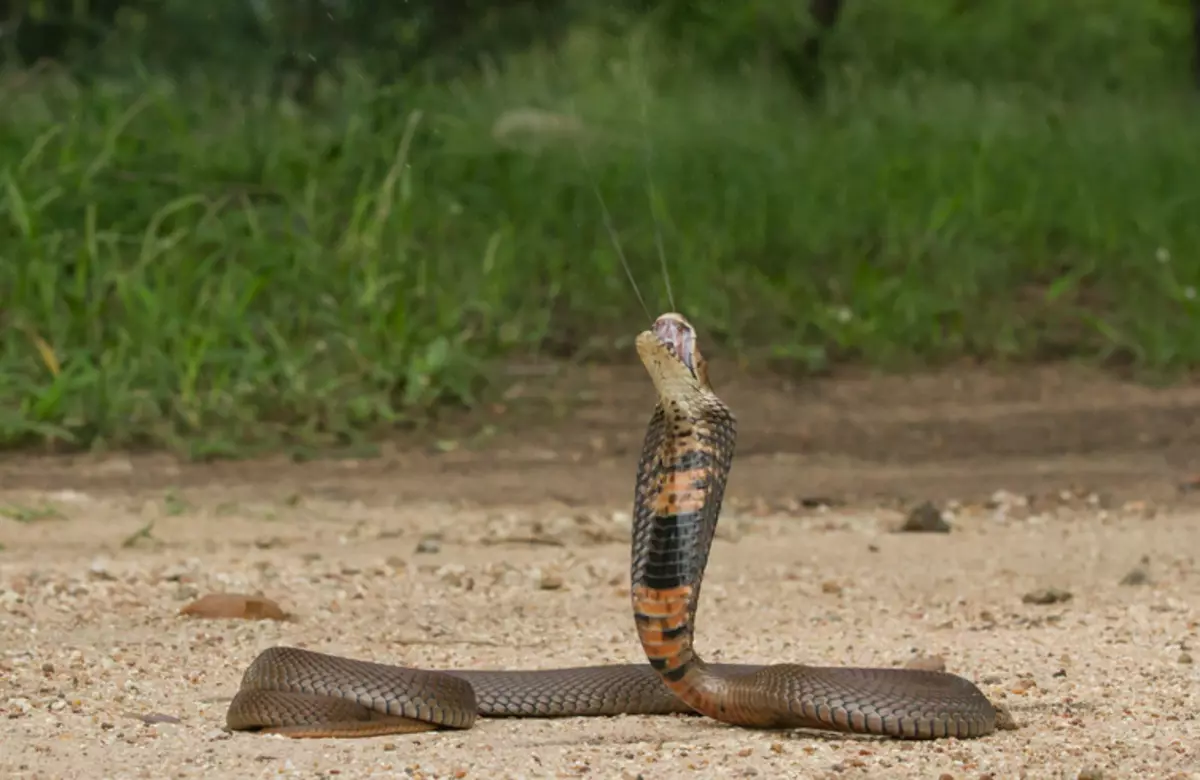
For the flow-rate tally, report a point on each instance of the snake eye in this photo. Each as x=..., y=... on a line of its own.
x=677, y=334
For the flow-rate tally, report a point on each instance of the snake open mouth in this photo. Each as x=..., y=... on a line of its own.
x=677, y=334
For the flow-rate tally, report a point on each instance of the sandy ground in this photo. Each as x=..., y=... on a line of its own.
x=513, y=554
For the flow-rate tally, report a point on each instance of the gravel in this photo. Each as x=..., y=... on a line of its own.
x=100, y=676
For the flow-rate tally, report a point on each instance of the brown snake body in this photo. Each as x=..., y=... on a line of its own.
x=686, y=458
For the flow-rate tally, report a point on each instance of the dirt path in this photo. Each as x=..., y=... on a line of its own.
x=467, y=548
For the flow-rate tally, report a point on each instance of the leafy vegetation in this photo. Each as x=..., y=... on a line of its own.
x=193, y=262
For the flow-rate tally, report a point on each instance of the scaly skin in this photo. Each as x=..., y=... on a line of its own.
x=681, y=477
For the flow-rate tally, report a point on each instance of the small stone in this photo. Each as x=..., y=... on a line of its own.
x=925, y=518
x=175, y=574
x=151, y=718
x=48, y=668
x=98, y=569
x=1004, y=719
x=429, y=545
x=1047, y=596
x=1003, y=499
x=926, y=663
x=455, y=574
x=1145, y=509
x=831, y=587
x=1090, y=773
x=1185, y=658
x=1138, y=575
x=1023, y=686
x=19, y=706
x=551, y=581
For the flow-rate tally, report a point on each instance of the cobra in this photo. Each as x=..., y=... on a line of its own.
x=681, y=477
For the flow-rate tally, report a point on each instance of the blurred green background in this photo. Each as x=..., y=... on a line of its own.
x=227, y=224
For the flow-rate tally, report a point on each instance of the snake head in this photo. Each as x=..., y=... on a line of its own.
x=669, y=350
x=679, y=337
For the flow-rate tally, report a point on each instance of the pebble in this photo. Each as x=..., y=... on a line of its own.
x=1136, y=576
x=99, y=569
x=151, y=718
x=429, y=545
x=1044, y=596
x=925, y=518
x=926, y=663
x=456, y=574
x=56, y=688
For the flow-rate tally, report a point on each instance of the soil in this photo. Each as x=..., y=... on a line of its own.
x=1067, y=587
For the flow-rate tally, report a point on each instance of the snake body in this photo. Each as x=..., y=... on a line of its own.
x=686, y=458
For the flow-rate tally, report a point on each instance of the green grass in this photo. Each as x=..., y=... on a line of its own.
x=187, y=266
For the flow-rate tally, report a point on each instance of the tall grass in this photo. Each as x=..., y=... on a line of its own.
x=189, y=266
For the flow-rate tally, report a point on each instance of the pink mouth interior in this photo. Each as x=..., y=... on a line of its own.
x=679, y=337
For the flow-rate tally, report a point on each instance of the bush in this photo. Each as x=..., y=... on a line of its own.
x=206, y=268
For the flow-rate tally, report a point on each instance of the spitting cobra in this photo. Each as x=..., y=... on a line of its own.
x=681, y=477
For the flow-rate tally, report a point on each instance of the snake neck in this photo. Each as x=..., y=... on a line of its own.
x=685, y=464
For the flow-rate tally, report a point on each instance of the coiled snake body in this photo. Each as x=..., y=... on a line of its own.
x=681, y=480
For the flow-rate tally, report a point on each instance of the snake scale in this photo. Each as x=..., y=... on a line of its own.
x=681, y=477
